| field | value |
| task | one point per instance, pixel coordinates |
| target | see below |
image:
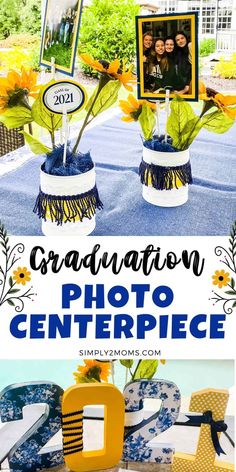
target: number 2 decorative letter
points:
(212, 403)
(24, 456)
(74, 400)
(139, 432)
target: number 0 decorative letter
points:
(213, 403)
(74, 400)
(139, 432)
(24, 456)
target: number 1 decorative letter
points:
(212, 403)
(139, 432)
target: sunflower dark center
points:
(106, 65)
(17, 96)
(94, 373)
(21, 275)
(221, 278)
(211, 93)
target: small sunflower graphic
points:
(21, 275)
(92, 371)
(221, 278)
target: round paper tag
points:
(64, 95)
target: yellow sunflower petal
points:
(128, 119)
(125, 107)
(113, 67)
(14, 79)
(226, 100)
(231, 112)
(92, 62)
(133, 101)
(202, 88)
(150, 105)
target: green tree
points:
(108, 30)
(31, 16)
(9, 17)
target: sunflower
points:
(112, 69)
(93, 370)
(221, 278)
(133, 107)
(16, 87)
(21, 275)
(223, 102)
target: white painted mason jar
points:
(173, 196)
(73, 212)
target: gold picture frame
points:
(60, 34)
(167, 55)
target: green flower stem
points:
(30, 129)
(4, 297)
(187, 144)
(102, 82)
(52, 134)
(4, 281)
(207, 106)
(137, 366)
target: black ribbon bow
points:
(216, 427)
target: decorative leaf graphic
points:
(228, 297)
(8, 292)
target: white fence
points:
(226, 41)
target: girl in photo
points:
(157, 65)
(67, 25)
(147, 51)
(162, 72)
(183, 61)
(170, 47)
(62, 27)
(147, 45)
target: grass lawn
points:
(61, 52)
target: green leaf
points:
(146, 369)
(10, 281)
(10, 302)
(127, 363)
(16, 117)
(231, 292)
(190, 132)
(83, 379)
(181, 122)
(234, 304)
(91, 99)
(105, 99)
(14, 290)
(42, 116)
(232, 283)
(147, 121)
(36, 146)
(217, 122)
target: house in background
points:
(217, 18)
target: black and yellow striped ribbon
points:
(72, 428)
